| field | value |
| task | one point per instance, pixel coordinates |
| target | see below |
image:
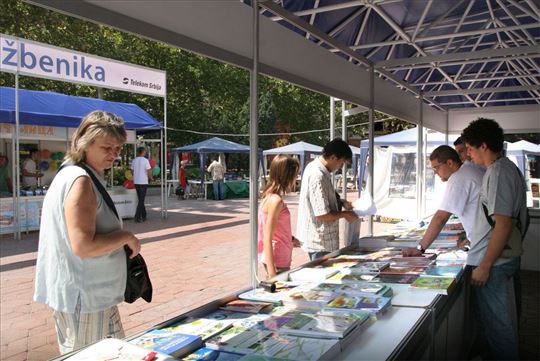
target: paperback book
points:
(309, 298)
(345, 278)
(202, 327)
(262, 295)
(395, 278)
(372, 304)
(320, 326)
(403, 269)
(118, 350)
(168, 342)
(247, 306)
(312, 274)
(367, 267)
(443, 285)
(411, 261)
(284, 346)
(444, 271)
(208, 354)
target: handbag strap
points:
(106, 197)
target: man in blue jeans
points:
(217, 170)
(494, 257)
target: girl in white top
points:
(81, 265)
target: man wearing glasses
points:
(460, 198)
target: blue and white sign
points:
(46, 61)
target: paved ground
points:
(200, 253)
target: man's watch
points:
(420, 248)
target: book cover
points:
(395, 278)
(247, 306)
(309, 298)
(399, 269)
(115, 349)
(444, 271)
(367, 267)
(318, 325)
(442, 284)
(312, 274)
(342, 277)
(167, 342)
(291, 347)
(373, 304)
(411, 261)
(208, 354)
(338, 262)
(203, 327)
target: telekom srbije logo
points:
(75, 67)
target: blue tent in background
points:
(212, 145)
(60, 110)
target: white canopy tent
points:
(313, 55)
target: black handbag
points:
(138, 282)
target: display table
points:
(125, 201)
(383, 338)
(29, 214)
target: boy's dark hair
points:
(337, 147)
(444, 153)
(458, 141)
(140, 150)
(483, 130)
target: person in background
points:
(182, 177)
(6, 186)
(30, 174)
(217, 171)
(494, 275)
(142, 171)
(464, 182)
(81, 262)
(461, 149)
(318, 208)
(275, 241)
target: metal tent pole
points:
(333, 128)
(419, 159)
(344, 137)
(371, 113)
(16, 160)
(253, 143)
(164, 166)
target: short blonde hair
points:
(94, 125)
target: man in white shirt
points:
(217, 170)
(460, 198)
(30, 174)
(141, 172)
(318, 209)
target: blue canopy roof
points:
(214, 145)
(295, 148)
(60, 110)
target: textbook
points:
(372, 304)
(168, 342)
(395, 278)
(342, 277)
(411, 261)
(284, 346)
(338, 263)
(309, 298)
(320, 326)
(366, 267)
(312, 274)
(117, 350)
(203, 327)
(443, 285)
(247, 306)
(402, 269)
(444, 271)
(208, 354)
(262, 295)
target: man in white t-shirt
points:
(30, 174)
(141, 172)
(217, 170)
(460, 198)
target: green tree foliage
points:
(203, 95)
